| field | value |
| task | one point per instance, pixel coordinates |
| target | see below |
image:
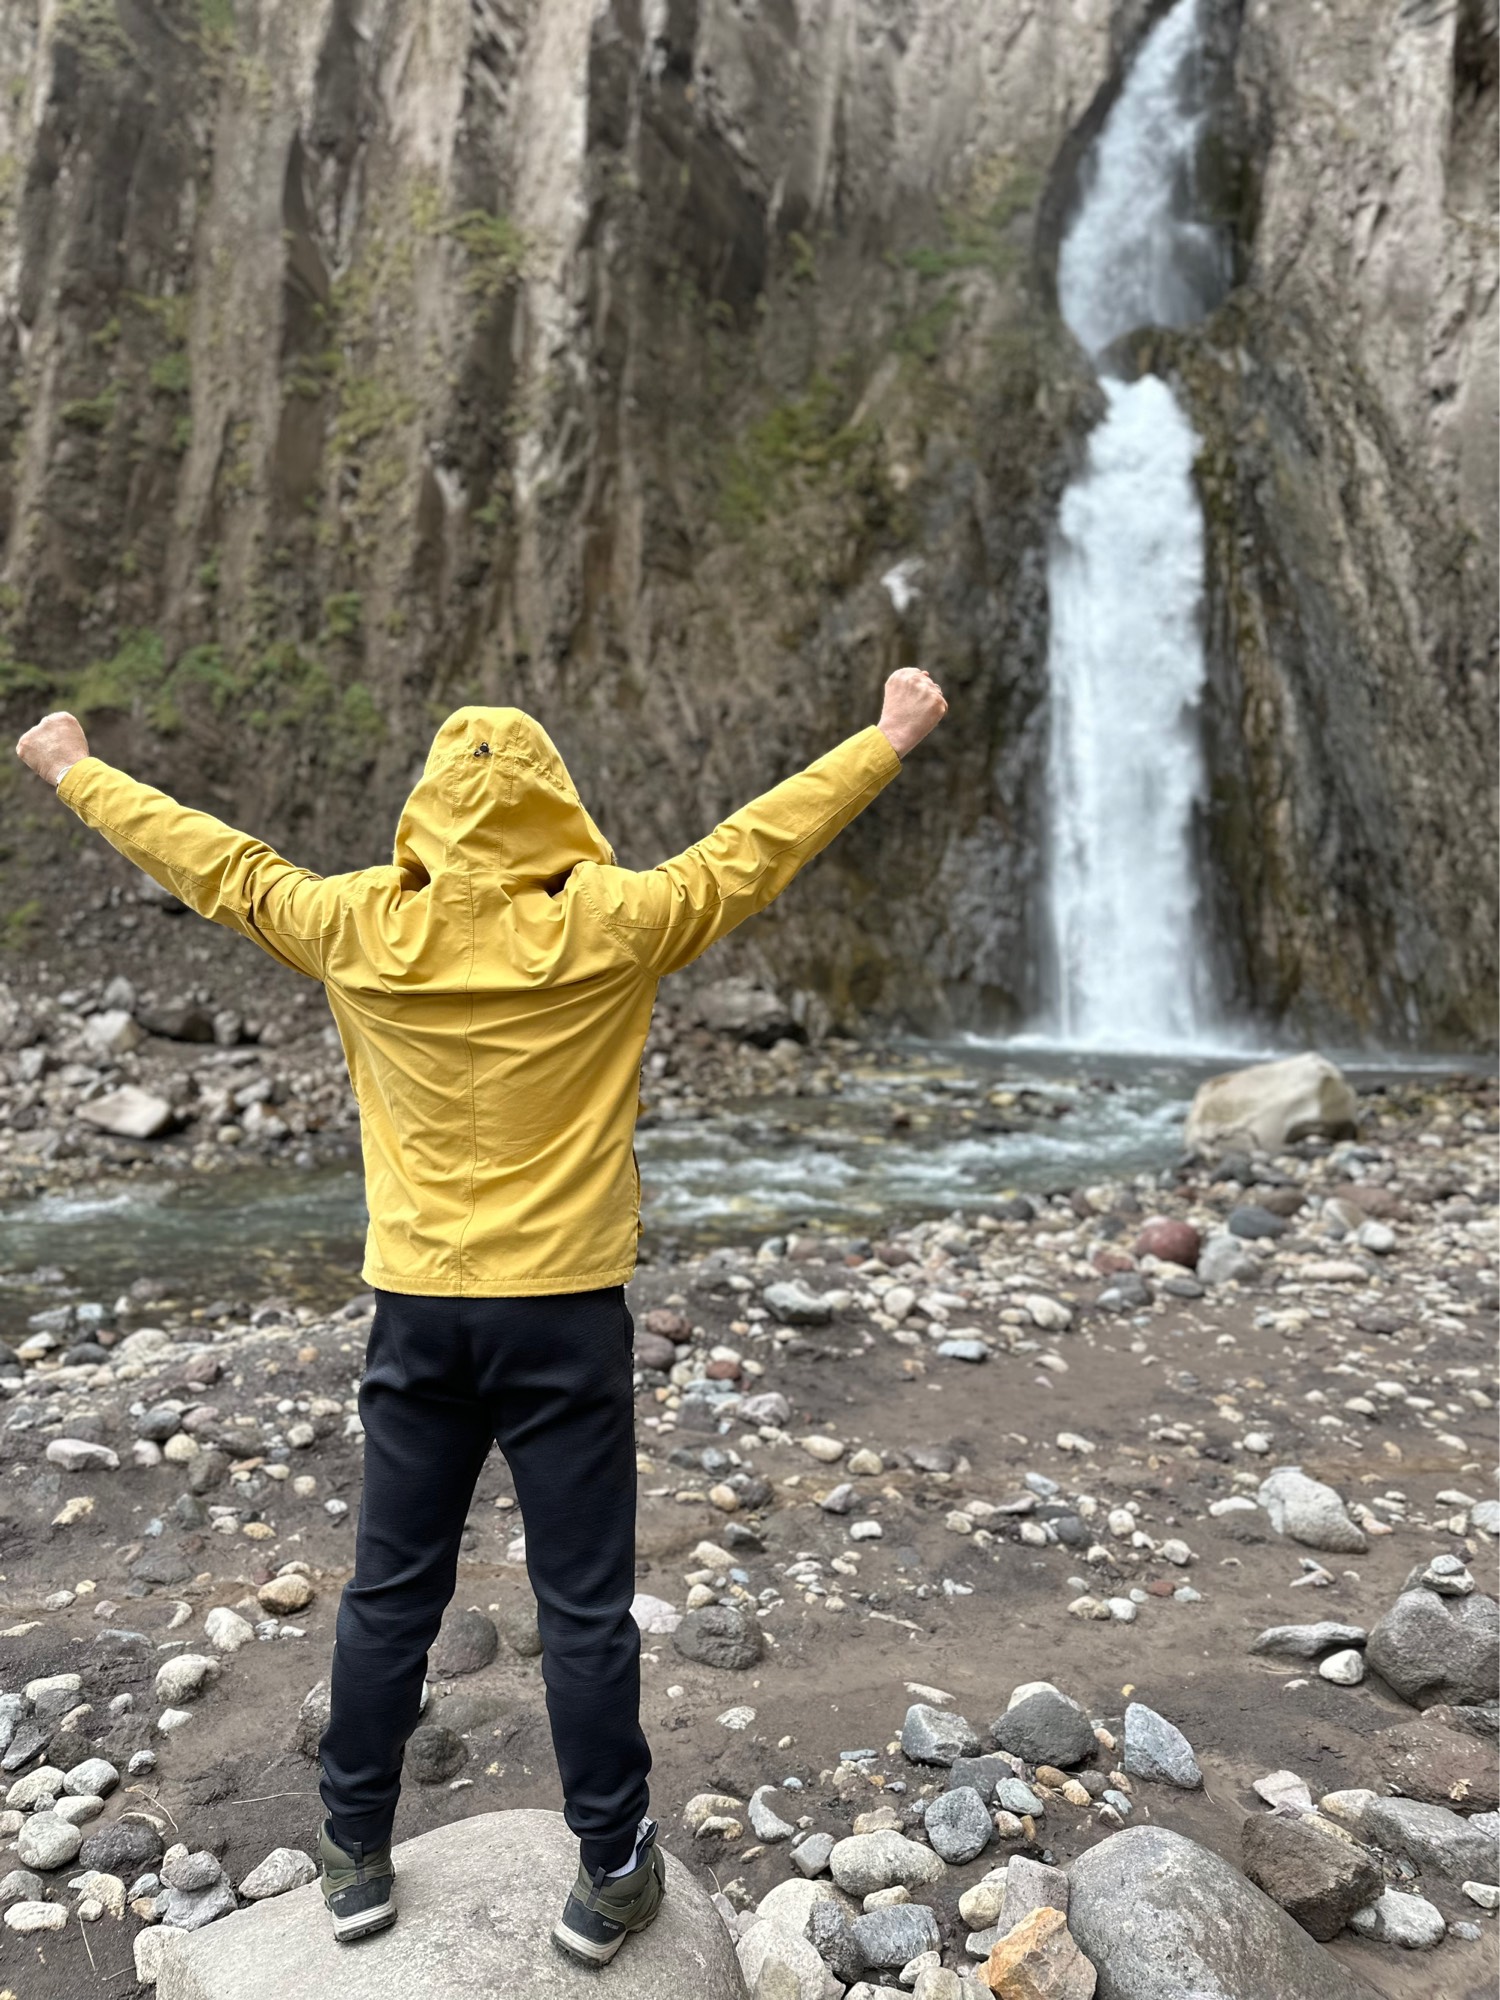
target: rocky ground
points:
(964, 1554)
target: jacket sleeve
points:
(231, 877)
(669, 914)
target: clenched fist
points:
(53, 746)
(913, 706)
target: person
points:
(492, 989)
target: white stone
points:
(129, 1112)
(1268, 1106)
(224, 1628)
(78, 1455)
(180, 1679)
(1344, 1669)
(29, 1917)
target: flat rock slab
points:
(478, 1900)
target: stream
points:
(918, 1129)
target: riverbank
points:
(960, 1457)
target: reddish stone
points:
(1173, 1242)
(1108, 1261)
(722, 1371)
(670, 1325)
(1376, 1201)
(1161, 1586)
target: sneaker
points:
(358, 1886)
(603, 1910)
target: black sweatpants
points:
(549, 1380)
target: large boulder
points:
(1432, 1649)
(1269, 1106)
(129, 1113)
(478, 1899)
(1165, 1919)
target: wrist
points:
(894, 737)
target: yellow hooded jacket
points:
(493, 986)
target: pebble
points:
(1044, 1727)
(1309, 1512)
(93, 1775)
(39, 1788)
(284, 1868)
(1345, 1669)
(45, 1841)
(765, 1822)
(980, 1905)
(781, 1962)
(810, 1857)
(1284, 1788)
(1306, 1642)
(895, 1934)
(74, 1455)
(185, 1676)
(106, 1891)
(1398, 1918)
(866, 1861)
(182, 1868)
(29, 1917)
(958, 1825)
(226, 1629)
(285, 1594)
(1157, 1749)
(936, 1736)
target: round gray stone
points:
(1046, 1728)
(45, 1841)
(467, 1643)
(434, 1753)
(478, 1901)
(959, 1826)
(895, 1934)
(123, 1848)
(720, 1636)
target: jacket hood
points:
(495, 798)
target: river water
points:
(918, 1130)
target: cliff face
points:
(1347, 400)
(363, 357)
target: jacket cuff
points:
(73, 780)
(882, 751)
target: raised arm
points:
(668, 915)
(230, 877)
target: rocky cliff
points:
(363, 357)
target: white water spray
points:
(1125, 578)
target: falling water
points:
(1125, 769)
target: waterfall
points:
(1124, 581)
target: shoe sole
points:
(584, 1951)
(587, 1951)
(346, 1930)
